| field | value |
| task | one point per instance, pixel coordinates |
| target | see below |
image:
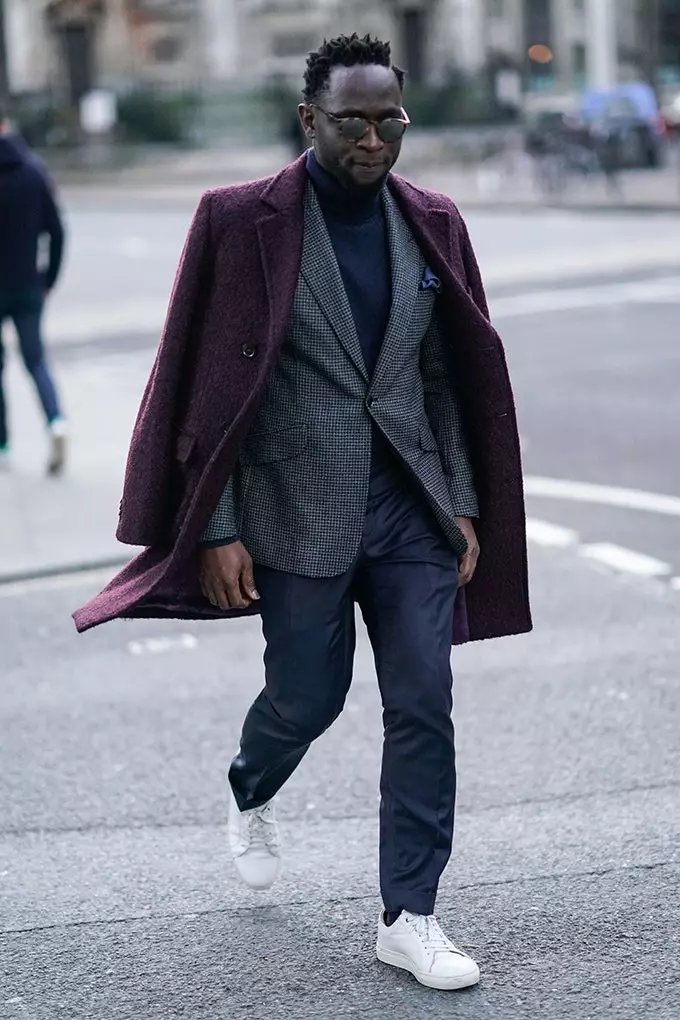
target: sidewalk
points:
(50, 524)
(182, 176)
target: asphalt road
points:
(122, 254)
(597, 391)
(117, 896)
(598, 395)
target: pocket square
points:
(430, 281)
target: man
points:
(28, 212)
(328, 356)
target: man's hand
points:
(467, 563)
(227, 576)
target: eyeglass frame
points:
(369, 121)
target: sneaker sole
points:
(261, 886)
(393, 959)
(57, 462)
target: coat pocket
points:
(268, 447)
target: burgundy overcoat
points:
(227, 320)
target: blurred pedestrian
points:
(330, 421)
(28, 212)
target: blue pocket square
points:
(430, 281)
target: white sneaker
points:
(416, 943)
(255, 845)
(58, 431)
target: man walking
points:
(330, 422)
(28, 212)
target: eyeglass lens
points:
(389, 130)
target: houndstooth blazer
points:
(297, 499)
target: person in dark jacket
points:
(28, 212)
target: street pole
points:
(4, 69)
(602, 58)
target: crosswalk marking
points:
(546, 534)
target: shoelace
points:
(429, 932)
(262, 828)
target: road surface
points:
(117, 896)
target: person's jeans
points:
(25, 308)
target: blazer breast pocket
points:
(423, 310)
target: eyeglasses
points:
(390, 129)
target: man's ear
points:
(307, 116)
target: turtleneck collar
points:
(339, 202)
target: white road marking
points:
(546, 534)
(666, 289)
(160, 645)
(607, 554)
(594, 260)
(604, 495)
(625, 560)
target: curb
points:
(63, 570)
(177, 192)
(580, 207)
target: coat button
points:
(248, 351)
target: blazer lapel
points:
(407, 272)
(321, 272)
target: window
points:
(578, 64)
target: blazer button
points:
(248, 351)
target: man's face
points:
(369, 91)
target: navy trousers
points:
(25, 308)
(405, 582)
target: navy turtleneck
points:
(358, 232)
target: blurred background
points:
(201, 72)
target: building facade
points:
(68, 46)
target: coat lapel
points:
(280, 237)
(321, 272)
(432, 228)
(407, 272)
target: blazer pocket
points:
(427, 440)
(268, 447)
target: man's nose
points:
(371, 142)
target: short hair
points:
(345, 51)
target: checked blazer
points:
(297, 498)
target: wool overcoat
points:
(226, 323)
